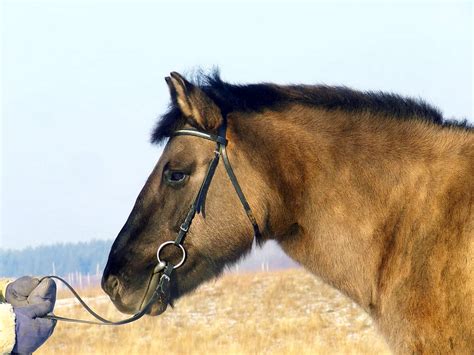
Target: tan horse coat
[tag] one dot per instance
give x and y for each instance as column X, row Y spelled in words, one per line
column 371, row 192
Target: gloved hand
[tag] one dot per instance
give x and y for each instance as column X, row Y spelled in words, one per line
column 31, row 299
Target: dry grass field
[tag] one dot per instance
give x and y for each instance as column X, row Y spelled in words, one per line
column 277, row 312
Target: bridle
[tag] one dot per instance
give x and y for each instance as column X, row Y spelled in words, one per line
column 160, row 281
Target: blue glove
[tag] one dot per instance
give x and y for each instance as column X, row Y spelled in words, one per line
column 31, row 299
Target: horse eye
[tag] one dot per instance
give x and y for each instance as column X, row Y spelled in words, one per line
column 177, row 176
column 174, row 176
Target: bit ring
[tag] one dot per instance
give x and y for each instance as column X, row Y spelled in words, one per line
column 178, row 246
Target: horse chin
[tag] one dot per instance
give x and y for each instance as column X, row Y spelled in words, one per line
column 125, row 308
column 158, row 306
column 156, row 309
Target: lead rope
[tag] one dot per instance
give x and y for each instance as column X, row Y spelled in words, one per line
column 163, row 290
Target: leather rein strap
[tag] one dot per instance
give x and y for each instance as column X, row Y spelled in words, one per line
column 163, row 271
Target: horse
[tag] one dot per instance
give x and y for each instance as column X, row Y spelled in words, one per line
column 370, row 191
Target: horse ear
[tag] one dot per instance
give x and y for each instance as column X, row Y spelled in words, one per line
column 196, row 106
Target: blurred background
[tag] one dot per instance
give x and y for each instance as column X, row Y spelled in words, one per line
column 82, row 84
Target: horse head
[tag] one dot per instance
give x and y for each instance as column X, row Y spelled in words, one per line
column 220, row 233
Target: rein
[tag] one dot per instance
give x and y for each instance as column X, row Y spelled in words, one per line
column 160, row 280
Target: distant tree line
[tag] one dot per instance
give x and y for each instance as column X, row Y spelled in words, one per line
column 83, row 257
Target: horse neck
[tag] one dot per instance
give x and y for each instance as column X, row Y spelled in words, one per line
column 335, row 188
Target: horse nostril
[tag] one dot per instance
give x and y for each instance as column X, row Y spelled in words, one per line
column 111, row 286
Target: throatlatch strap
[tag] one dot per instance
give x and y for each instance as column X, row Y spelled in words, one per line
column 238, row 190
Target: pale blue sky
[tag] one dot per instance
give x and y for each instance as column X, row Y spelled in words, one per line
column 82, row 85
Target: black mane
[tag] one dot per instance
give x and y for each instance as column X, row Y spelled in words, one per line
column 258, row 97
